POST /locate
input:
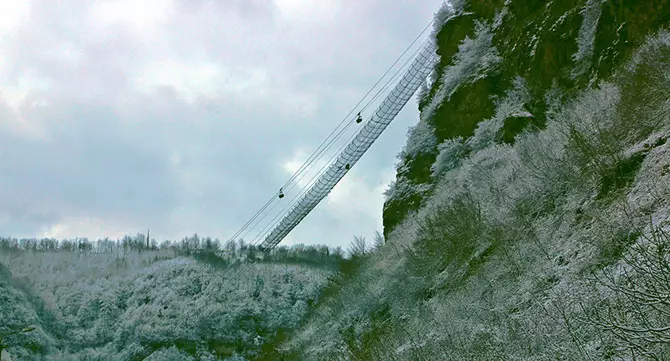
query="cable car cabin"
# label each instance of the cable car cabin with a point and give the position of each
(359, 119)
(281, 193)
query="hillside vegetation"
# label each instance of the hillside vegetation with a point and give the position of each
(124, 301)
(529, 218)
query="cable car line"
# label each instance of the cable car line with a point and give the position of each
(326, 181)
(385, 114)
(323, 181)
(320, 172)
(321, 149)
(369, 91)
(265, 231)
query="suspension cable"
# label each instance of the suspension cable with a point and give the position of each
(393, 79)
(316, 155)
(244, 267)
(328, 142)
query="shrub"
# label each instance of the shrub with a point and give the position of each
(637, 310)
(620, 175)
(596, 140)
(645, 84)
(448, 238)
(451, 153)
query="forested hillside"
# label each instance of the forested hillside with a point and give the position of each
(529, 218)
(191, 300)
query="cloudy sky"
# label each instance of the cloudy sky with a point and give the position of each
(185, 116)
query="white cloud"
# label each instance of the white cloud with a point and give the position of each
(295, 11)
(248, 87)
(189, 81)
(307, 174)
(141, 16)
(357, 199)
(16, 95)
(90, 227)
(13, 14)
(67, 53)
(21, 98)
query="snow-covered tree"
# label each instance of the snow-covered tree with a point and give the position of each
(451, 153)
(420, 139)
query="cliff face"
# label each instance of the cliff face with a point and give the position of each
(487, 48)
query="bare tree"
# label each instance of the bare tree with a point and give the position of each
(637, 313)
(358, 247)
(378, 241)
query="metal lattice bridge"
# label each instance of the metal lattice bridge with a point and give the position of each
(417, 73)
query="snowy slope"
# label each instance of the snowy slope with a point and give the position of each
(153, 304)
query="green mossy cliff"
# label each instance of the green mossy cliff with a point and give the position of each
(537, 41)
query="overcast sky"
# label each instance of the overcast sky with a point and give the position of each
(185, 116)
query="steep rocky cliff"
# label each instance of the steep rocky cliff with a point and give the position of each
(485, 47)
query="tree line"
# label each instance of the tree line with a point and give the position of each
(205, 248)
